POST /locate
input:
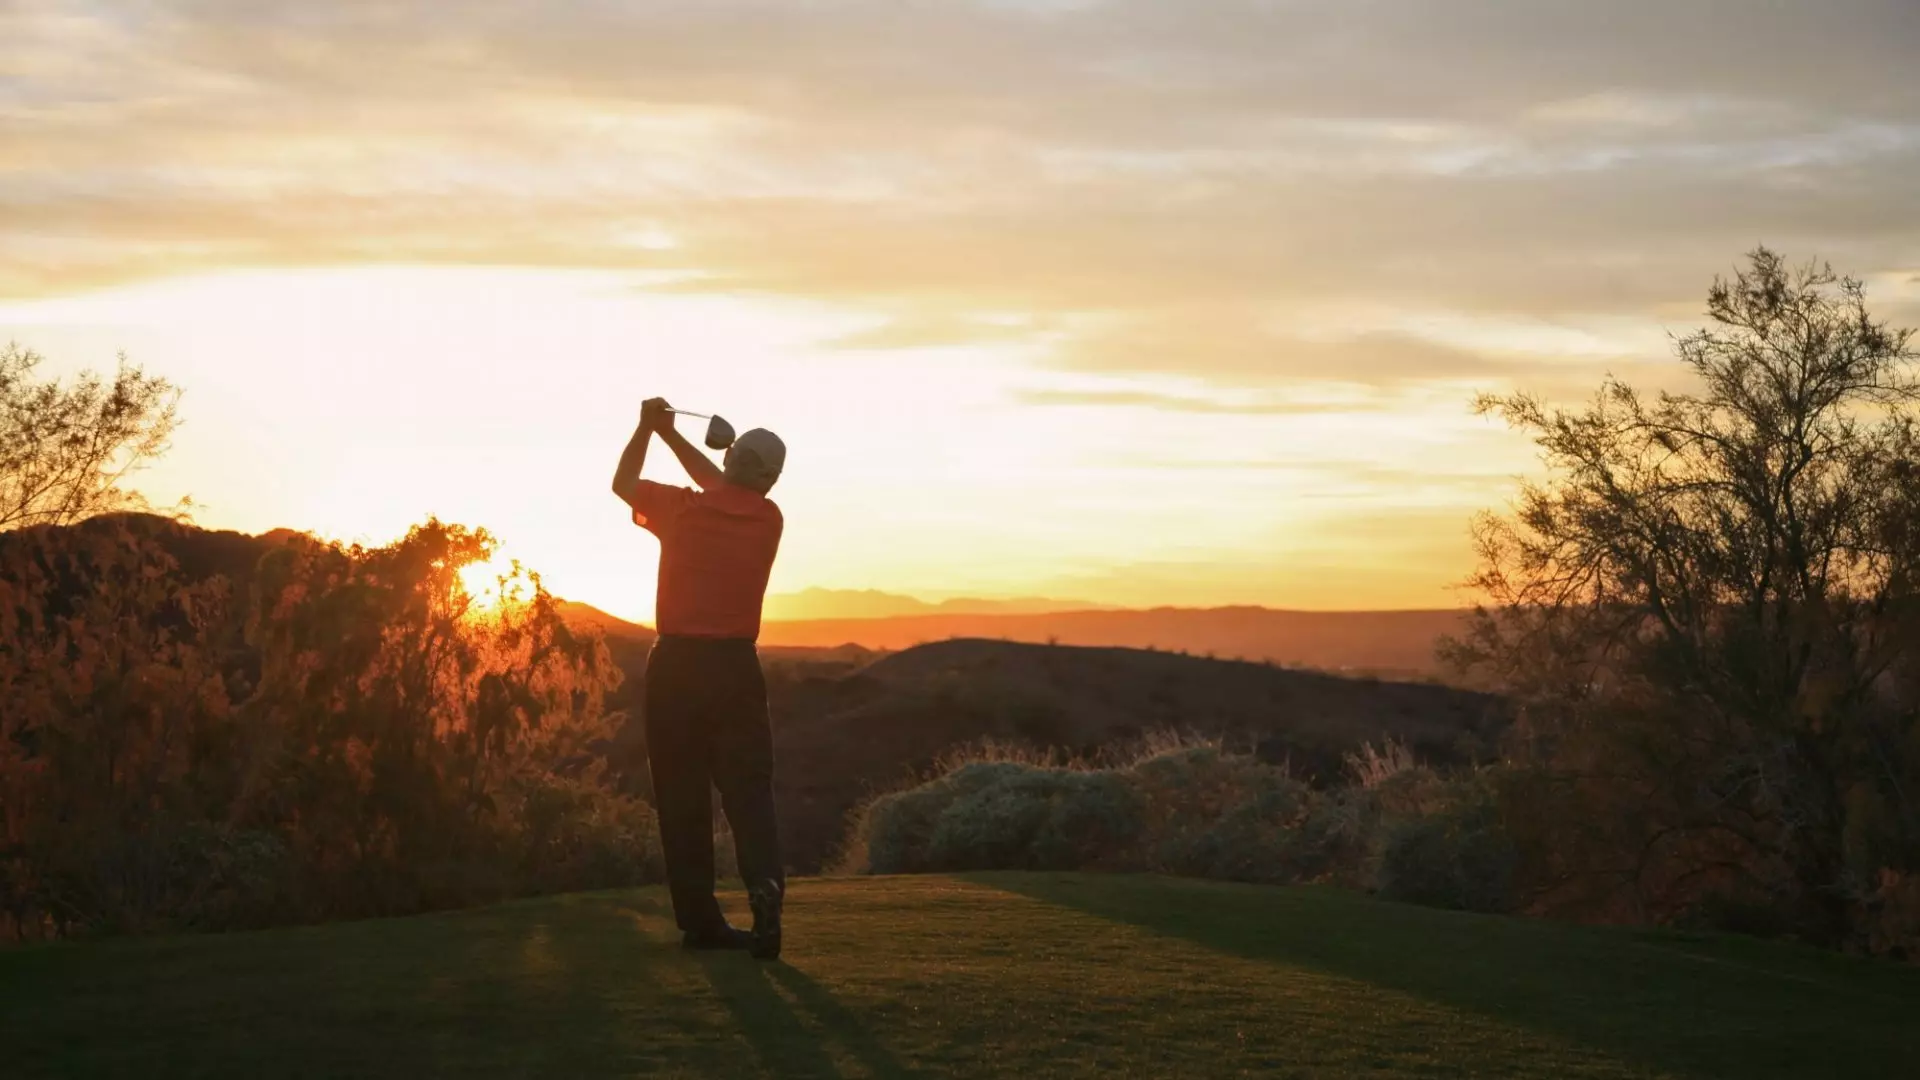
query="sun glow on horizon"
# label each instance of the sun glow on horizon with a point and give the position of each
(353, 402)
(496, 583)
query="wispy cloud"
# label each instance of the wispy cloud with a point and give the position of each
(1135, 186)
(1147, 399)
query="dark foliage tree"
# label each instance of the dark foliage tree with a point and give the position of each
(340, 731)
(1709, 611)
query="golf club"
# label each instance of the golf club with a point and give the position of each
(719, 432)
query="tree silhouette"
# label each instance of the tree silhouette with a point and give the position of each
(1709, 611)
(65, 450)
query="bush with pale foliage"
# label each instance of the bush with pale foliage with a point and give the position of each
(1194, 809)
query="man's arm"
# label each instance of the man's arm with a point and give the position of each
(632, 459)
(653, 417)
(698, 465)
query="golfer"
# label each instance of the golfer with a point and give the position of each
(706, 700)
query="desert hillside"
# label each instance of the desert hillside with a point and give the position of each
(849, 723)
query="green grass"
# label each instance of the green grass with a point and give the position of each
(995, 975)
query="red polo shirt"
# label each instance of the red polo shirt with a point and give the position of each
(716, 551)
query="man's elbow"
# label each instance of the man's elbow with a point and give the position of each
(620, 488)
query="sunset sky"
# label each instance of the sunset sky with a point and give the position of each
(1142, 303)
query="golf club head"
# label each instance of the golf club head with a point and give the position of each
(719, 434)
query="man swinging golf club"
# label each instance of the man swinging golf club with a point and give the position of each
(706, 700)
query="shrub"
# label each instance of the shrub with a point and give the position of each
(340, 734)
(896, 831)
(993, 815)
(1037, 819)
(1196, 810)
(1892, 917)
(1180, 807)
(992, 828)
(1223, 815)
(193, 875)
(1096, 824)
(1457, 857)
(575, 834)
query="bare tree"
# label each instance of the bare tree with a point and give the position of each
(1706, 606)
(65, 451)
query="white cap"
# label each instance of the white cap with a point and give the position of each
(768, 451)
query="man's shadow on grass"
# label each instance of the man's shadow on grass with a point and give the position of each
(774, 1003)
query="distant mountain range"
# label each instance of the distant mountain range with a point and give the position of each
(1387, 643)
(1377, 642)
(814, 604)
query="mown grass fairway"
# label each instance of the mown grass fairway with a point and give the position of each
(995, 975)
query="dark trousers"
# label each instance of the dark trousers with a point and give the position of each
(707, 728)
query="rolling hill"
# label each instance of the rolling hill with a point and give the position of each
(849, 723)
(841, 738)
